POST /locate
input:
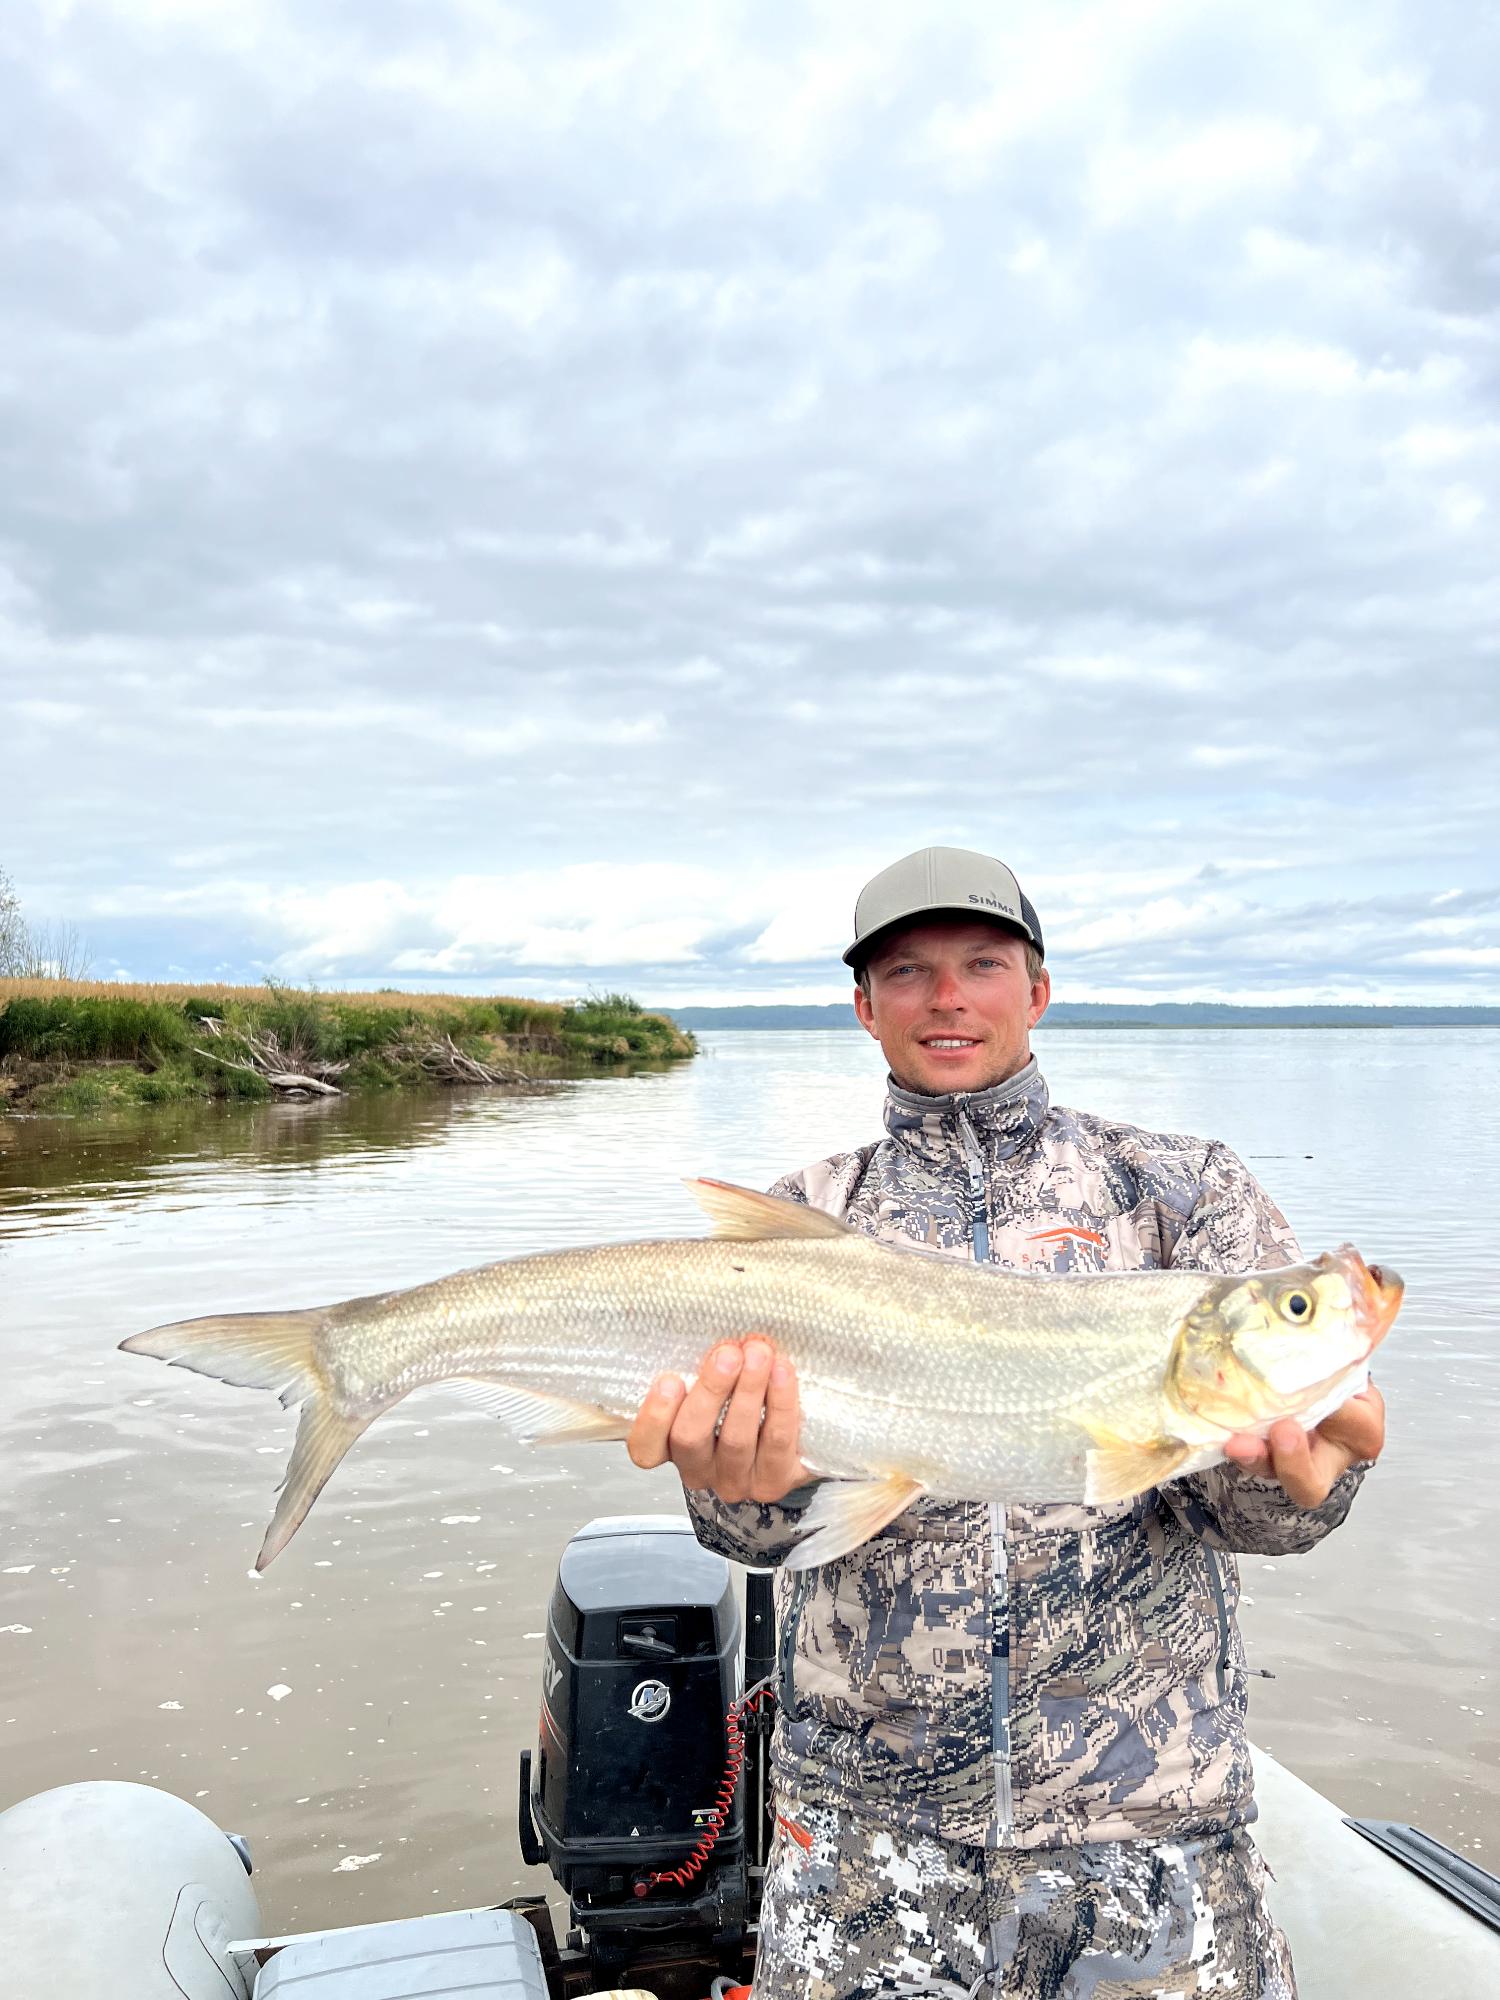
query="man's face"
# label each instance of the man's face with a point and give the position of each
(951, 1005)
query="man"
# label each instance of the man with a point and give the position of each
(1010, 1753)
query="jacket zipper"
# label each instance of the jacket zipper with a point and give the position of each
(974, 1160)
(999, 1548)
(1000, 1676)
(786, 1694)
(1216, 1585)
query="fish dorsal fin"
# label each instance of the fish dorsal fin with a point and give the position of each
(744, 1215)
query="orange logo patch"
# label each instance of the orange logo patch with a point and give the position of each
(1080, 1235)
(798, 1833)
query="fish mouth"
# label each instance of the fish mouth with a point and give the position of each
(1376, 1291)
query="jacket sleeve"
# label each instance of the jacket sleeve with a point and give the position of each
(757, 1533)
(752, 1532)
(1235, 1226)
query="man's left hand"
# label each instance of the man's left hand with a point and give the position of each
(1308, 1462)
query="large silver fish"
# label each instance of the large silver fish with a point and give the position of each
(918, 1373)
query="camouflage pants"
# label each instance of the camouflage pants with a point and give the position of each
(855, 1908)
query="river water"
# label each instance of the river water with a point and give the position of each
(358, 1710)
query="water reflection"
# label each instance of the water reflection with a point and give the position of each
(59, 1170)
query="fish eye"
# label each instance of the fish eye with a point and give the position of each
(1296, 1304)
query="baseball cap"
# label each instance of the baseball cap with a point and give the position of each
(940, 879)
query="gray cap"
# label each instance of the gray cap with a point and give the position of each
(940, 879)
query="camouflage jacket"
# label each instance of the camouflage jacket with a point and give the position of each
(1048, 1675)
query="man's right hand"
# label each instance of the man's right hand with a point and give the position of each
(754, 1454)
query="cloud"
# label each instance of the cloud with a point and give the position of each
(689, 934)
(551, 496)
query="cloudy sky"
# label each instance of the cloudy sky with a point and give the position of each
(552, 496)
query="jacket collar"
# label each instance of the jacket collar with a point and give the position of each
(1003, 1118)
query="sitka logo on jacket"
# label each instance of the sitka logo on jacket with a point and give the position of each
(1068, 1247)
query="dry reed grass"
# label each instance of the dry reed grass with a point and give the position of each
(111, 989)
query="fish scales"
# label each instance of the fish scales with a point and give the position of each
(601, 1323)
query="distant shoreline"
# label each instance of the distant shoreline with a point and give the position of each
(1105, 1014)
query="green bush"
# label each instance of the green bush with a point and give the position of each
(373, 1072)
(244, 1084)
(92, 1090)
(92, 1030)
(611, 1027)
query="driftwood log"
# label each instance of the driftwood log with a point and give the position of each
(296, 1074)
(448, 1063)
(291, 1073)
(285, 1080)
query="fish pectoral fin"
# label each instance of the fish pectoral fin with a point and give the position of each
(1119, 1467)
(536, 1418)
(845, 1512)
(744, 1215)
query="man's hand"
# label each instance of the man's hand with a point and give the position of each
(754, 1456)
(1308, 1462)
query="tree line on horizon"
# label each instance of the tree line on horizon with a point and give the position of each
(1124, 1014)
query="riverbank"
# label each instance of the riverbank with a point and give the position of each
(77, 1046)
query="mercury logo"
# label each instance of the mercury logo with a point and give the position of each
(650, 1701)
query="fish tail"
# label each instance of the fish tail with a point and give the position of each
(253, 1350)
(269, 1351)
(323, 1436)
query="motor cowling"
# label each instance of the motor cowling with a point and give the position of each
(641, 1665)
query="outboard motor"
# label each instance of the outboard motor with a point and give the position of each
(633, 1798)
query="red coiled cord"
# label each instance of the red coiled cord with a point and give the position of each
(734, 1763)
